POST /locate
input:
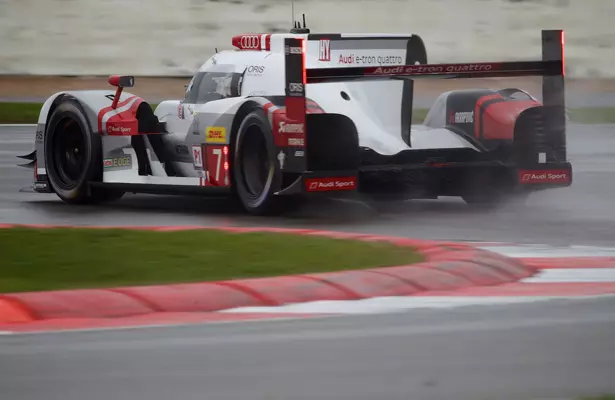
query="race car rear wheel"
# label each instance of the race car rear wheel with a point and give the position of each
(73, 156)
(256, 174)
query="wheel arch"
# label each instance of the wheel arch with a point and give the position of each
(90, 102)
(242, 112)
(45, 115)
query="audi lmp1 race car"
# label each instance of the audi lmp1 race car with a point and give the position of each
(283, 116)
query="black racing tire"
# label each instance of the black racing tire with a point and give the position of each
(73, 156)
(255, 170)
(99, 195)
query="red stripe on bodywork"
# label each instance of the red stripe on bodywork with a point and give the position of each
(125, 123)
(478, 115)
(267, 107)
(105, 110)
(498, 119)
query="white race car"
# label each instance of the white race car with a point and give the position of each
(287, 115)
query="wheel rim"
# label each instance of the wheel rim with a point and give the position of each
(256, 167)
(69, 152)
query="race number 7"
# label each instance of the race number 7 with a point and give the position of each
(216, 162)
(218, 153)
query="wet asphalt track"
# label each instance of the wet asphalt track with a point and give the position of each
(543, 350)
(581, 215)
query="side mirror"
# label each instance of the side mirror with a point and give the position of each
(121, 81)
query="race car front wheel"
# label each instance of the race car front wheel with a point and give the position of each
(256, 174)
(73, 156)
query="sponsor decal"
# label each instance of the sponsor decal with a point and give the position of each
(331, 184)
(432, 69)
(299, 153)
(285, 127)
(299, 142)
(197, 154)
(215, 134)
(287, 131)
(296, 50)
(40, 185)
(39, 136)
(544, 176)
(255, 70)
(180, 111)
(217, 165)
(118, 129)
(281, 158)
(118, 162)
(324, 50)
(250, 42)
(357, 59)
(462, 117)
(296, 89)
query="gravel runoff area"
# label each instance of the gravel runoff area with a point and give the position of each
(36, 88)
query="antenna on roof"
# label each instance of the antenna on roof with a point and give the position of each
(297, 27)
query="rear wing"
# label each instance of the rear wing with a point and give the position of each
(550, 67)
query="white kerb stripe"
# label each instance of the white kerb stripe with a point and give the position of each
(112, 113)
(541, 251)
(574, 275)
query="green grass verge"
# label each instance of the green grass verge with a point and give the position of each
(598, 115)
(27, 113)
(65, 258)
(602, 397)
(19, 113)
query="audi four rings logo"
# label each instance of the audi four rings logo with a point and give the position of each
(251, 42)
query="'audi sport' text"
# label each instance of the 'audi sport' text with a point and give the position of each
(123, 130)
(552, 176)
(330, 184)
